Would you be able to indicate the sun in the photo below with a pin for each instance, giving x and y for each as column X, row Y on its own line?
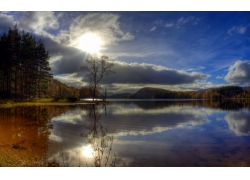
column 88, row 151
column 90, row 43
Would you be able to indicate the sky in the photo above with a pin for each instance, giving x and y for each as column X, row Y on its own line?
column 174, row 50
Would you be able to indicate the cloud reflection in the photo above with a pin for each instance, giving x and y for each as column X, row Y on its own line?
column 239, row 123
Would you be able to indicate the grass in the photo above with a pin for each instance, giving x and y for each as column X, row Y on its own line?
column 43, row 101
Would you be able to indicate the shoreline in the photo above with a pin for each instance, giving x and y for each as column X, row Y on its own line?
column 49, row 102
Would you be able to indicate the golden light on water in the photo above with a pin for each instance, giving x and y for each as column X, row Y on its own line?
column 88, row 151
column 90, row 43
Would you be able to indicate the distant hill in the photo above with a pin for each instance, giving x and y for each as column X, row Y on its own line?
column 58, row 88
column 212, row 93
column 117, row 96
column 203, row 90
column 152, row 93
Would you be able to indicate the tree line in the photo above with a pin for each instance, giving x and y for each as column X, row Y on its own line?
column 59, row 90
column 217, row 93
column 24, row 65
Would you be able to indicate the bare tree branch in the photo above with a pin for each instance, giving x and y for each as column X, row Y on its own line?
column 96, row 69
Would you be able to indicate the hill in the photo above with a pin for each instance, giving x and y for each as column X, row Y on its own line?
column 57, row 88
column 117, row 96
column 215, row 93
column 152, row 93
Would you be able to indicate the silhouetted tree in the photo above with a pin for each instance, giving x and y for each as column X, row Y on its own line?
column 97, row 68
column 24, row 66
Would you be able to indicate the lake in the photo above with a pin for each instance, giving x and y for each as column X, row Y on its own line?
column 163, row 133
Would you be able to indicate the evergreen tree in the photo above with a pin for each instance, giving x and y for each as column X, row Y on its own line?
column 24, row 66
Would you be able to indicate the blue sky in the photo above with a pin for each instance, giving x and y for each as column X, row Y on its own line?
column 172, row 50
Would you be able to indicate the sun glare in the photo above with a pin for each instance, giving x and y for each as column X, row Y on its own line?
column 90, row 43
column 88, row 151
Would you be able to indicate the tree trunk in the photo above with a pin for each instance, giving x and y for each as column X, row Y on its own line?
column 94, row 93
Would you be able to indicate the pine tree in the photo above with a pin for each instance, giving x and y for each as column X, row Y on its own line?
column 24, row 66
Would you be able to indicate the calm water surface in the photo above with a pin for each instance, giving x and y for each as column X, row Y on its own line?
column 128, row 133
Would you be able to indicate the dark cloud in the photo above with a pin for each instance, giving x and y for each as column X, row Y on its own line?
column 150, row 74
column 7, row 22
column 70, row 62
column 64, row 59
column 239, row 72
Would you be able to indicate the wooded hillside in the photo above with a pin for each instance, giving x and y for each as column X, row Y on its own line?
column 217, row 93
column 57, row 88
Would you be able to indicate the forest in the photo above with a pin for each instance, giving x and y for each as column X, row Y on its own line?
column 24, row 66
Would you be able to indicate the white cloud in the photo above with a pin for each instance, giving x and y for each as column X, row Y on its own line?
column 219, row 77
column 241, row 30
column 196, row 69
column 169, row 24
column 105, row 25
column 239, row 72
column 38, row 21
column 237, row 29
column 153, row 29
column 71, row 80
column 191, row 19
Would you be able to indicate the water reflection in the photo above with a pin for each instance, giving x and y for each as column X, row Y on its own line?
column 99, row 140
column 224, row 104
column 239, row 122
column 162, row 133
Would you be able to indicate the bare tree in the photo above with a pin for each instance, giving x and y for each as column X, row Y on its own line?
column 96, row 68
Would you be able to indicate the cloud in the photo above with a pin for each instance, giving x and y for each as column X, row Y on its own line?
column 183, row 20
column 196, row 69
column 191, row 19
column 239, row 72
column 6, row 22
column 219, row 77
column 104, row 25
column 153, row 29
column 237, row 29
column 128, row 76
column 135, row 73
column 169, row 24
column 38, row 21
